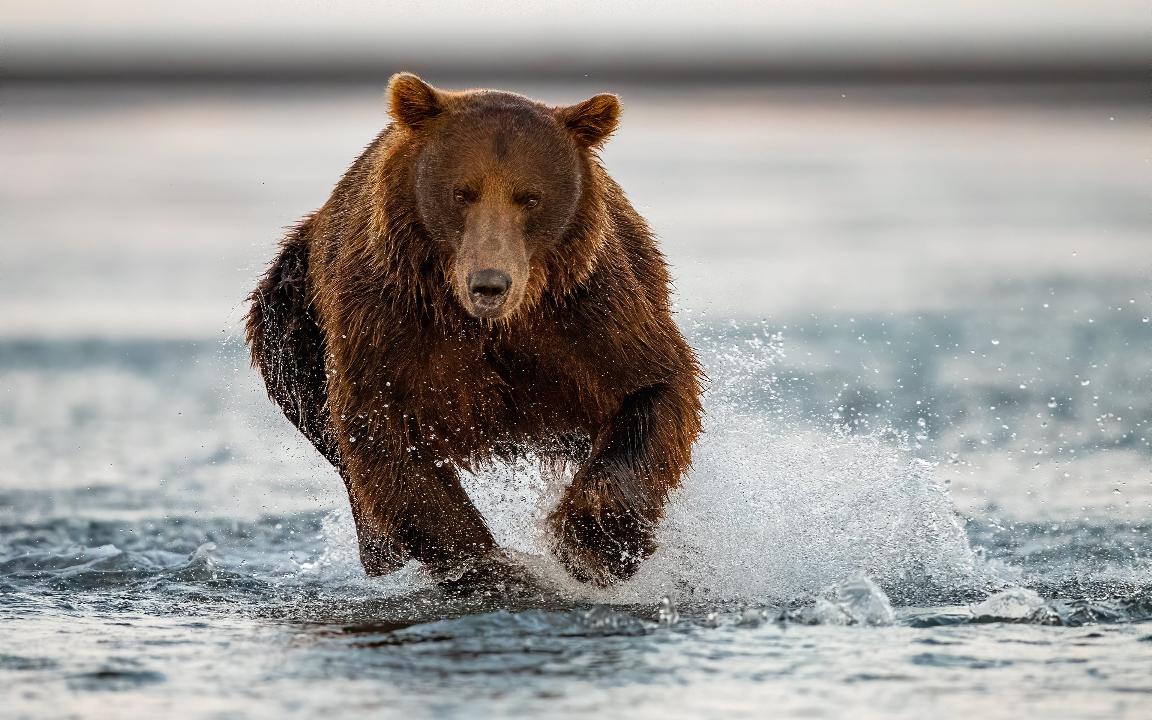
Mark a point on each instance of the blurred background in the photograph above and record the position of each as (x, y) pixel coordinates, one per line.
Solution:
(941, 207)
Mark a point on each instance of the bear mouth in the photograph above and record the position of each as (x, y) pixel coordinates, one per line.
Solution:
(487, 307)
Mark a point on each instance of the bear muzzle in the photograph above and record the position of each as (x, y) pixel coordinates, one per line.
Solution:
(488, 291)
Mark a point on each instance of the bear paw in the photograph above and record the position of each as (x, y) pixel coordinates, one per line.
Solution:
(601, 548)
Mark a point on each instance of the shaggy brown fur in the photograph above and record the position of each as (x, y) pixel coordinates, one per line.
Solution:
(375, 336)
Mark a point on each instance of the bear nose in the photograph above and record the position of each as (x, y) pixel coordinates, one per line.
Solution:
(489, 284)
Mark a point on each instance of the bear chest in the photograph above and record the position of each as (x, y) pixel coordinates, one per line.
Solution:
(479, 397)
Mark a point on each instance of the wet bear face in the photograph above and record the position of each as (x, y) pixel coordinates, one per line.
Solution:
(497, 181)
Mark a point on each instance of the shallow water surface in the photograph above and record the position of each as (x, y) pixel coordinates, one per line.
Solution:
(97, 615)
(805, 569)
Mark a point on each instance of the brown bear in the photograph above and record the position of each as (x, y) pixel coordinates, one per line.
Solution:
(476, 289)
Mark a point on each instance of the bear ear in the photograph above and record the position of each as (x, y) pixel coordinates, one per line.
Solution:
(413, 102)
(592, 121)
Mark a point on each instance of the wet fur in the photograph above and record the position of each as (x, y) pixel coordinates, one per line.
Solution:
(360, 340)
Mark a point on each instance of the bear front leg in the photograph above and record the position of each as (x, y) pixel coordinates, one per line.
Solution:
(410, 509)
(605, 524)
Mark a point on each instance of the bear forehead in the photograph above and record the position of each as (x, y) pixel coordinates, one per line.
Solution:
(496, 101)
(503, 117)
(498, 133)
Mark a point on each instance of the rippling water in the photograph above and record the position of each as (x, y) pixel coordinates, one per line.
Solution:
(925, 485)
(166, 545)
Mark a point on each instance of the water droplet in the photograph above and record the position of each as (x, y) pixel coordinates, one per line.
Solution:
(666, 613)
(995, 342)
(1085, 383)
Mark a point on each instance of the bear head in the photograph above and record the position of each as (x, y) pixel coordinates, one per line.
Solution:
(498, 183)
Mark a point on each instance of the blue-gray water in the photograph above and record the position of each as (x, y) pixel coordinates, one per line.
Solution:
(924, 486)
(189, 569)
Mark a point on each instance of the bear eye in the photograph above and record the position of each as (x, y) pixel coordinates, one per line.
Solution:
(528, 200)
(463, 196)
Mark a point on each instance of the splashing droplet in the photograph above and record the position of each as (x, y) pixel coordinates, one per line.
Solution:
(666, 613)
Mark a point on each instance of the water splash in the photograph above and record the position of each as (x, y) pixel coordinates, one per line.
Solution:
(1012, 605)
(768, 516)
(771, 510)
(856, 601)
